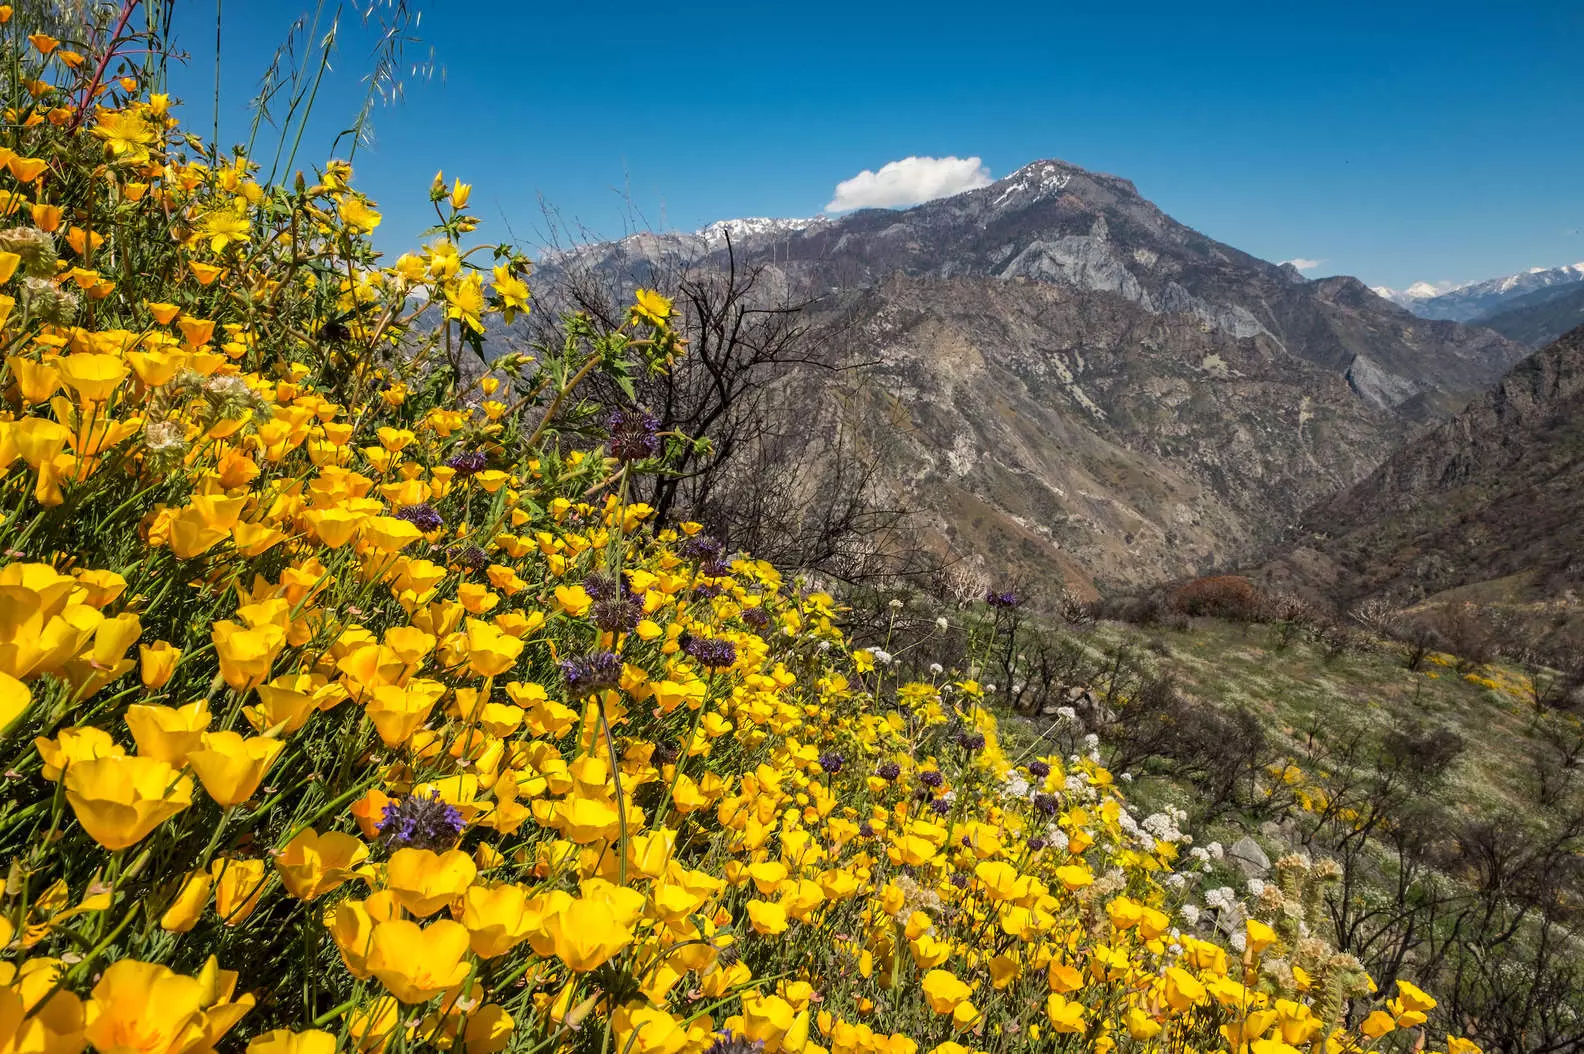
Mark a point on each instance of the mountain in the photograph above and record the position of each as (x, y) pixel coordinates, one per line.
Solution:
(1415, 294)
(1476, 301)
(1488, 504)
(1064, 378)
(1539, 317)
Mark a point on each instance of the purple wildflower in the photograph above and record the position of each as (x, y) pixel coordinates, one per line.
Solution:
(616, 608)
(470, 557)
(420, 822)
(422, 516)
(467, 463)
(931, 778)
(699, 547)
(632, 435)
(888, 770)
(1046, 803)
(940, 806)
(711, 652)
(729, 1042)
(591, 673)
(1038, 769)
(1004, 599)
(830, 762)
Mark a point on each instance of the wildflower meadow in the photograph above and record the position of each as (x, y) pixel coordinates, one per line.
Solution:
(346, 704)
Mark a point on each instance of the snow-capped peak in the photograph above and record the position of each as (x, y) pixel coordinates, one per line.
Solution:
(1036, 179)
(715, 234)
(1466, 301)
(1416, 292)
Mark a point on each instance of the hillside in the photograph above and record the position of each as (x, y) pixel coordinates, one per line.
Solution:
(1042, 427)
(1491, 500)
(1450, 800)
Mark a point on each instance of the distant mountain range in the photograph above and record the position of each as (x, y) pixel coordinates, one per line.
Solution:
(1480, 302)
(1071, 385)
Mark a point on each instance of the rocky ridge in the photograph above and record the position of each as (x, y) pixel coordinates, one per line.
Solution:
(1064, 378)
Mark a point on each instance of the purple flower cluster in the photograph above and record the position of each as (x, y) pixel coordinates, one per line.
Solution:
(1004, 599)
(420, 822)
(940, 806)
(729, 1042)
(422, 516)
(973, 742)
(470, 557)
(591, 673)
(700, 547)
(1047, 803)
(830, 762)
(888, 770)
(931, 778)
(757, 617)
(711, 652)
(633, 435)
(467, 463)
(617, 608)
(1038, 769)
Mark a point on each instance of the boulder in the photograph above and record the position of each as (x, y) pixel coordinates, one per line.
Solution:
(1249, 857)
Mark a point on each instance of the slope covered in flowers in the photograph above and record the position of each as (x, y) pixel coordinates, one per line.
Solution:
(345, 709)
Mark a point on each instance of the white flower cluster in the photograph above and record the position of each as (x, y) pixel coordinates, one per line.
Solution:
(1015, 786)
(1223, 899)
(162, 436)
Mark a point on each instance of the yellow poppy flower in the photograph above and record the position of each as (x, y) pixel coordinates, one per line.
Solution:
(418, 963)
(119, 800)
(313, 864)
(424, 881)
(231, 767)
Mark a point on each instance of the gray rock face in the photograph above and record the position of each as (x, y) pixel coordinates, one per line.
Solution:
(1249, 857)
(1376, 386)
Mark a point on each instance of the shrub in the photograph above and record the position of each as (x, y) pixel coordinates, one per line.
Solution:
(1220, 596)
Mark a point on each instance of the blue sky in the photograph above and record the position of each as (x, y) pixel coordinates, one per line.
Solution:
(1397, 142)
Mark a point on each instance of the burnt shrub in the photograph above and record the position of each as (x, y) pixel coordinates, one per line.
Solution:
(1220, 596)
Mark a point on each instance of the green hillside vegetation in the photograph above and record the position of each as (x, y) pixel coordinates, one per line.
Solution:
(1447, 789)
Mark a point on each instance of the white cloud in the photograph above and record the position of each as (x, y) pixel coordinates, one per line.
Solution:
(910, 181)
(1303, 264)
